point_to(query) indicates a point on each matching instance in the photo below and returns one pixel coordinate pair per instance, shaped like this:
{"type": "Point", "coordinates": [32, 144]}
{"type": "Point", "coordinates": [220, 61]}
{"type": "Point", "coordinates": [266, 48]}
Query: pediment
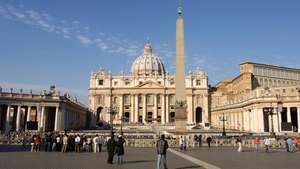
{"type": "Point", "coordinates": [149, 84]}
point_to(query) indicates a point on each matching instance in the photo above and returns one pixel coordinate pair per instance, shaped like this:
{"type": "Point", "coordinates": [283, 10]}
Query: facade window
{"type": "Point", "coordinates": [100, 82]}
{"type": "Point", "coordinates": [100, 100]}
{"type": "Point", "coordinates": [140, 82]}
{"type": "Point", "coordinates": [127, 99]}
{"type": "Point", "coordinates": [149, 99]}
{"type": "Point", "coordinates": [159, 82]}
{"type": "Point", "coordinates": [172, 99]}
{"type": "Point", "coordinates": [115, 100]}
{"type": "Point", "coordinates": [158, 99]}
{"type": "Point", "coordinates": [198, 82]}
{"type": "Point", "coordinates": [127, 83]}
{"type": "Point", "coordinates": [140, 98]}
{"type": "Point", "coordinates": [115, 83]}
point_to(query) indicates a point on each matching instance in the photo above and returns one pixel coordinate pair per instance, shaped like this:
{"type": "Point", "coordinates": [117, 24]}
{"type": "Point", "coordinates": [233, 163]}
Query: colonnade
{"type": "Point", "coordinates": [255, 120]}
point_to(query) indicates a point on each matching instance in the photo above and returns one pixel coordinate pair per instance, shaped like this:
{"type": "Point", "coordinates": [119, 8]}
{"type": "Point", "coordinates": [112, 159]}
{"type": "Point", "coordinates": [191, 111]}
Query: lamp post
{"type": "Point", "coordinates": [270, 112]}
{"type": "Point", "coordinates": [223, 119]}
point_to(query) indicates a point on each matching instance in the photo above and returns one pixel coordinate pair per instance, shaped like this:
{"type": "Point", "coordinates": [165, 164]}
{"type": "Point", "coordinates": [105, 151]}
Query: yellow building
{"type": "Point", "coordinates": [261, 98]}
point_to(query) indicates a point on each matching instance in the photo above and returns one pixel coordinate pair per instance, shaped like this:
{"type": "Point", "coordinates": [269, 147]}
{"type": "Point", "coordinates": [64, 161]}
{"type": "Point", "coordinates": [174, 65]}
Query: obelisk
{"type": "Point", "coordinates": [180, 93]}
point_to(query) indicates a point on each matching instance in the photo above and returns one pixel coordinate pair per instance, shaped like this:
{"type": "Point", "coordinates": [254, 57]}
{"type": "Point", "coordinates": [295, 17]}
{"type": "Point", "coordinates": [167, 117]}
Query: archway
{"type": "Point", "coordinates": [126, 117]}
{"type": "Point", "coordinates": [149, 117]}
{"type": "Point", "coordinates": [172, 117]}
{"type": "Point", "coordinates": [99, 110]}
{"type": "Point", "coordinates": [198, 115]}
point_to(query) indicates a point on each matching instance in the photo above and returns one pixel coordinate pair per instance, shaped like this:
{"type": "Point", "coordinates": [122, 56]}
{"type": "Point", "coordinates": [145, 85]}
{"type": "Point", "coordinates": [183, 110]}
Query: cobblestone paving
{"type": "Point", "coordinates": [135, 159]}
{"type": "Point", "coordinates": [229, 158]}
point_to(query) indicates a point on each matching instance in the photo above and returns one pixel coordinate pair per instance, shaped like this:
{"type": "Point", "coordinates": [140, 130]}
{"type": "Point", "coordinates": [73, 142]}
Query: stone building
{"type": "Point", "coordinates": [40, 112]}
{"type": "Point", "coordinates": [247, 100]}
{"type": "Point", "coordinates": [147, 94]}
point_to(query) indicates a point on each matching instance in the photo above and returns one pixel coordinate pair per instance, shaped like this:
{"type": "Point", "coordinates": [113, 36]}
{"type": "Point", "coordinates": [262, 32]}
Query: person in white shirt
{"type": "Point", "coordinates": [96, 142]}
{"type": "Point", "coordinates": [267, 143]}
{"type": "Point", "coordinates": [77, 143]}
{"type": "Point", "coordinates": [65, 143]}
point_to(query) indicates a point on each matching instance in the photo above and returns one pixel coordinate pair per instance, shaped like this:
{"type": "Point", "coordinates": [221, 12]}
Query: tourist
{"type": "Point", "coordinates": [58, 144]}
{"type": "Point", "coordinates": [77, 144]}
{"type": "Point", "coordinates": [65, 143]}
{"type": "Point", "coordinates": [239, 143]}
{"type": "Point", "coordinates": [48, 145]}
{"type": "Point", "coordinates": [89, 144]}
{"type": "Point", "coordinates": [111, 144]}
{"type": "Point", "coordinates": [161, 147]}
{"type": "Point", "coordinates": [37, 143]}
{"type": "Point", "coordinates": [195, 141]}
{"type": "Point", "coordinates": [32, 143]}
{"type": "Point", "coordinates": [120, 149]}
{"type": "Point", "coordinates": [208, 140]}
{"type": "Point", "coordinates": [96, 141]}
{"type": "Point", "coordinates": [53, 138]}
{"type": "Point", "coordinates": [267, 143]}
{"type": "Point", "coordinates": [181, 142]}
{"type": "Point", "coordinates": [200, 140]}
{"type": "Point", "coordinates": [290, 144]}
{"type": "Point", "coordinates": [257, 143]}
{"type": "Point", "coordinates": [100, 144]}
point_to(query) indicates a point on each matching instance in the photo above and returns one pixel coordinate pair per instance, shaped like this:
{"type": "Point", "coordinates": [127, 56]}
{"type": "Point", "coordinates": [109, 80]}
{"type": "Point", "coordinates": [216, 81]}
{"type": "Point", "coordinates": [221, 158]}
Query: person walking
{"type": "Point", "coordinates": [257, 143]}
{"type": "Point", "coordinates": [161, 147]}
{"type": "Point", "coordinates": [65, 144]}
{"type": "Point", "coordinates": [267, 143]}
{"type": "Point", "coordinates": [89, 144]}
{"type": "Point", "coordinates": [100, 144]}
{"type": "Point", "coordinates": [120, 149]}
{"type": "Point", "coordinates": [290, 144]}
{"type": "Point", "coordinates": [200, 140]}
{"type": "Point", "coordinates": [58, 143]}
{"type": "Point", "coordinates": [181, 142]}
{"type": "Point", "coordinates": [77, 144]}
{"type": "Point", "coordinates": [239, 143]}
{"type": "Point", "coordinates": [208, 140]}
{"type": "Point", "coordinates": [111, 145]}
{"type": "Point", "coordinates": [96, 141]}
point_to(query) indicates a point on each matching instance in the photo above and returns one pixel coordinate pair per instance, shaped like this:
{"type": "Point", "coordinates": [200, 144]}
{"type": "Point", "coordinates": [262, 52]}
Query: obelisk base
{"type": "Point", "coordinates": [180, 123]}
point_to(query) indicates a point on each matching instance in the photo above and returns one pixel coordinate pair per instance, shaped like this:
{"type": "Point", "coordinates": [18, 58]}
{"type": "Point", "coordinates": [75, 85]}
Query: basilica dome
{"type": "Point", "coordinates": [147, 64]}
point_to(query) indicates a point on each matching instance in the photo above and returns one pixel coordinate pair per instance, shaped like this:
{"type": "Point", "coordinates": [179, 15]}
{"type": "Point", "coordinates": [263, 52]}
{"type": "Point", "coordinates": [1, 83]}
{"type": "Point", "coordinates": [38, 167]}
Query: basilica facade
{"type": "Point", "coordinates": [147, 94]}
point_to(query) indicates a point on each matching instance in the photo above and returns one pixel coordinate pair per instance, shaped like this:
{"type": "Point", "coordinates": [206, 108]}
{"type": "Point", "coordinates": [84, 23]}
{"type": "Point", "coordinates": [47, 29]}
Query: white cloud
{"type": "Point", "coordinates": [69, 30]}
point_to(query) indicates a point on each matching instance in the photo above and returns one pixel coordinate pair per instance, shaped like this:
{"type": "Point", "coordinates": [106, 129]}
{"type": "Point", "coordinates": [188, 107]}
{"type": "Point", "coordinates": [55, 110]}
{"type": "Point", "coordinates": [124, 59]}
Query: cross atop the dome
{"type": "Point", "coordinates": [148, 48]}
{"type": "Point", "coordinates": [180, 9]}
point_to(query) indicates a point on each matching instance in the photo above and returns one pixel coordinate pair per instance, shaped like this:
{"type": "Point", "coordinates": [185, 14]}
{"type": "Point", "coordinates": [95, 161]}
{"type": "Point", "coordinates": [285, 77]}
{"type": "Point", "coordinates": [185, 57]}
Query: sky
{"type": "Point", "coordinates": [60, 42]}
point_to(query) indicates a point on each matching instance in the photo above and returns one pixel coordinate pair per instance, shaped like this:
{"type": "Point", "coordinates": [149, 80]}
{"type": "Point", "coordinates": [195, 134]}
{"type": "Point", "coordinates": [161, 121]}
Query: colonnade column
{"type": "Point", "coordinates": [275, 120]}
{"type": "Point", "coordinates": [132, 113]}
{"type": "Point", "coordinates": [298, 115]}
{"type": "Point", "coordinates": [279, 119]}
{"type": "Point", "coordinates": [144, 108]}
{"type": "Point", "coordinates": [121, 113]}
{"type": "Point", "coordinates": [163, 109]}
{"type": "Point", "coordinates": [28, 114]}
{"type": "Point", "coordinates": [155, 108]}
{"type": "Point", "coordinates": [42, 119]}
{"type": "Point", "coordinates": [288, 114]}
{"type": "Point", "coordinates": [57, 120]}
{"type": "Point", "coordinates": [167, 109]}
{"type": "Point", "coordinates": [18, 120]}
{"type": "Point", "coordinates": [136, 109]}
{"type": "Point", "coordinates": [7, 122]}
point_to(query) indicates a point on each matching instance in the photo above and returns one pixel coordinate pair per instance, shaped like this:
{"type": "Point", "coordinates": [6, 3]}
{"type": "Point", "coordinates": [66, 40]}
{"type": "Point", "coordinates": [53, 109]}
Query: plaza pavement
{"type": "Point", "coordinates": [142, 158]}
{"type": "Point", "coordinates": [145, 158]}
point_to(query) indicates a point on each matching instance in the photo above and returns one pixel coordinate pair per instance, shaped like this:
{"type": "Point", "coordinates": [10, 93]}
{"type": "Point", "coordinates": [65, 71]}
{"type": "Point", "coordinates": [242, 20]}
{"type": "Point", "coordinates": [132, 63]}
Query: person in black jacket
{"type": "Point", "coordinates": [120, 149]}
{"type": "Point", "coordinates": [208, 140]}
{"type": "Point", "coordinates": [111, 144]}
{"type": "Point", "coordinates": [161, 147]}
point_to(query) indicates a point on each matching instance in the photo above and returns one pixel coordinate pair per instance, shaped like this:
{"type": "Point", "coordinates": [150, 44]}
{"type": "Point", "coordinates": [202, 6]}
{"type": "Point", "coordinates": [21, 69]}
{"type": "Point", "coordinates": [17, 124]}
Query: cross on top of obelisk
{"type": "Point", "coordinates": [180, 9]}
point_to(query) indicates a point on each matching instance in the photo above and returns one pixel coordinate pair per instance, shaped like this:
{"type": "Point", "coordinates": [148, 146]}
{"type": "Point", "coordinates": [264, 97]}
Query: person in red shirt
{"type": "Point", "coordinates": [37, 143]}
{"type": "Point", "coordinates": [257, 143]}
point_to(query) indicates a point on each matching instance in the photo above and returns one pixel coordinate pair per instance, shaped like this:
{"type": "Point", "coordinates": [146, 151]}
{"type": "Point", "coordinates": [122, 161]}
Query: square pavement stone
{"type": "Point", "coordinates": [135, 158]}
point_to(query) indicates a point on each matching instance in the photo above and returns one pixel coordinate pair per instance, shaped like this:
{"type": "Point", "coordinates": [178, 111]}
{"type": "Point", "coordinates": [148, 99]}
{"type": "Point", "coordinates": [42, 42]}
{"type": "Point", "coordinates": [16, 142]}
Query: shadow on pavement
{"type": "Point", "coordinates": [189, 167]}
{"type": "Point", "coordinates": [138, 161]}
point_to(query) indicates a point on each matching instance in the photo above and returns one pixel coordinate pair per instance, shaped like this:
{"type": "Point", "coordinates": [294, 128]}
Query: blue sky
{"type": "Point", "coordinates": [61, 42]}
